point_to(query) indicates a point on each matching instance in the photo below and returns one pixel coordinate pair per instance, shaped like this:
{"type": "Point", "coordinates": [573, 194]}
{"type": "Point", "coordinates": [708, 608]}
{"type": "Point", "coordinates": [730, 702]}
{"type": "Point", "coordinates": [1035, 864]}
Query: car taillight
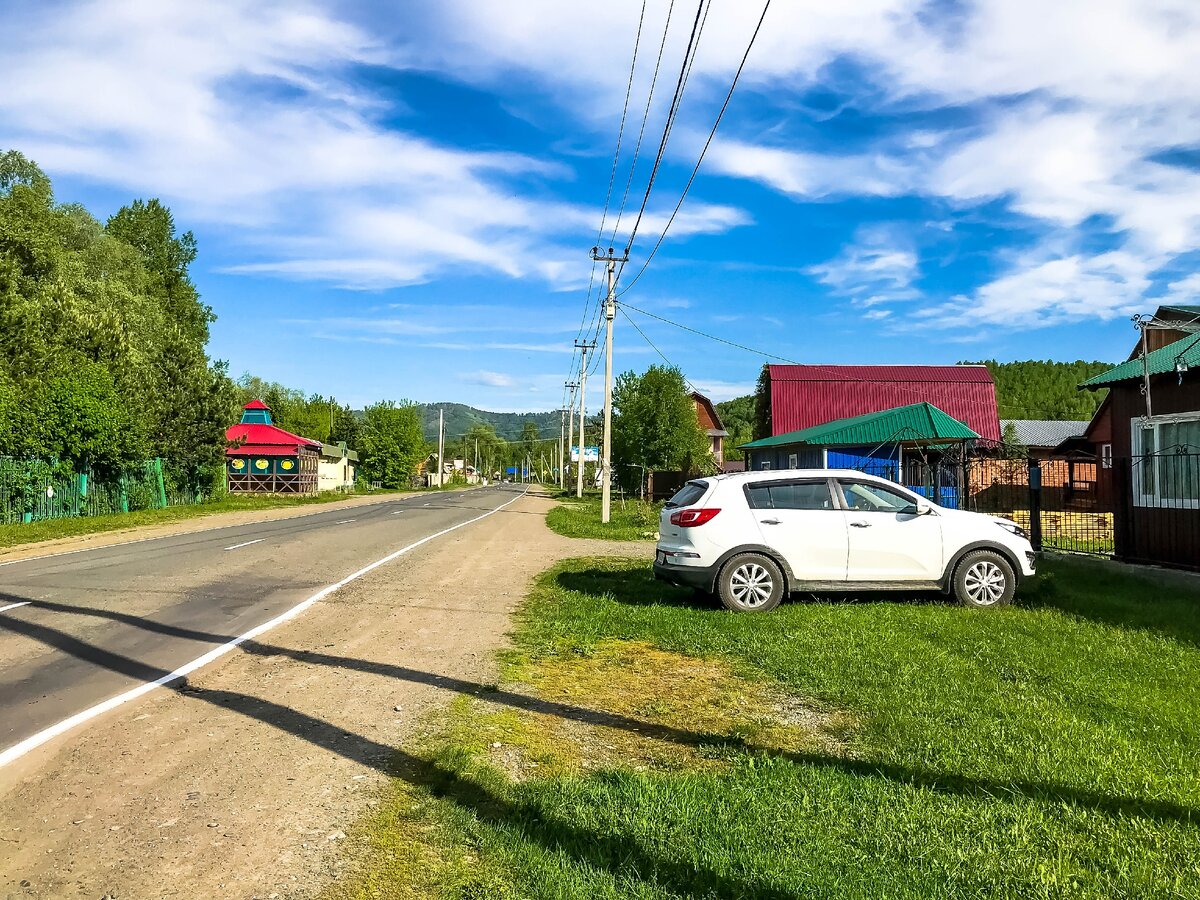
{"type": "Point", "coordinates": [690, 518]}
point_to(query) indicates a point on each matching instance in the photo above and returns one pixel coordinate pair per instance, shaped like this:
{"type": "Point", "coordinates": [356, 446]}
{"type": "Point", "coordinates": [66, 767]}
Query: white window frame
{"type": "Point", "coordinates": [1106, 456]}
{"type": "Point", "coordinates": [1140, 497]}
{"type": "Point", "coordinates": [764, 466]}
{"type": "Point", "coordinates": [793, 460]}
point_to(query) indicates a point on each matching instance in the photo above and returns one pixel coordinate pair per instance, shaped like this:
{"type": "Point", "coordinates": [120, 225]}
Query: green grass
{"type": "Point", "coordinates": [16, 535]}
{"type": "Point", "coordinates": [629, 520]}
{"type": "Point", "coordinates": [1047, 750]}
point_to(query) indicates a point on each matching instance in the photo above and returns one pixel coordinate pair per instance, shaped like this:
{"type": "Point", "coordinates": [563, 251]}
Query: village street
{"type": "Point", "coordinates": [242, 776]}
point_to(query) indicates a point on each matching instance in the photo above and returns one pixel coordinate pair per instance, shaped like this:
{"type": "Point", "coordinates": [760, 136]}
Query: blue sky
{"type": "Point", "coordinates": [398, 200]}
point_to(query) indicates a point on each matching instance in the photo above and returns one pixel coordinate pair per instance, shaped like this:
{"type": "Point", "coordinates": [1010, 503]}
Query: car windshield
{"type": "Point", "coordinates": [688, 494]}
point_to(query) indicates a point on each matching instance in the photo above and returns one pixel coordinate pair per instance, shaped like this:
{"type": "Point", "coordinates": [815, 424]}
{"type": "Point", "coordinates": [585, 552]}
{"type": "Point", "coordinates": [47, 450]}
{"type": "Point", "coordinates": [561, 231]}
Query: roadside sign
{"type": "Point", "coordinates": [590, 454]}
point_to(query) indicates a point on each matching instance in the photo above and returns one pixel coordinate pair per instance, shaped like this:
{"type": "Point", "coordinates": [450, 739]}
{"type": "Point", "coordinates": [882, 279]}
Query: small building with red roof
{"type": "Point", "coordinates": [263, 458]}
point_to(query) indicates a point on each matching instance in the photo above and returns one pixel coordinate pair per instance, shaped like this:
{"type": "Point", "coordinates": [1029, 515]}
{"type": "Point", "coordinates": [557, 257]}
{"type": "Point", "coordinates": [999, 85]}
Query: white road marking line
{"type": "Point", "coordinates": [247, 544]}
{"type": "Point", "coordinates": [15, 605]}
{"type": "Point", "coordinates": [397, 512]}
{"type": "Point", "coordinates": [345, 521]}
{"type": "Point", "coordinates": [16, 751]}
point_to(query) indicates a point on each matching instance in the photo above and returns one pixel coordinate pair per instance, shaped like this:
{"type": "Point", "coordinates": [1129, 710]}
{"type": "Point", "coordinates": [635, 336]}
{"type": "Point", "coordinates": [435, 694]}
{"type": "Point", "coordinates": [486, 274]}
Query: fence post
{"type": "Point", "coordinates": [162, 488]}
{"type": "Point", "coordinates": [124, 495]}
{"type": "Point", "coordinates": [1035, 504]}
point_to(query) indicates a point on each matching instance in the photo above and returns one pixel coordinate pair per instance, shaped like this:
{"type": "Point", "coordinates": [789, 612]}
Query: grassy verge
{"type": "Point", "coordinates": [630, 520]}
{"type": "Point", "coordinates": [643, 745]}
{"type": "Point", "coordinates": [16, 535]}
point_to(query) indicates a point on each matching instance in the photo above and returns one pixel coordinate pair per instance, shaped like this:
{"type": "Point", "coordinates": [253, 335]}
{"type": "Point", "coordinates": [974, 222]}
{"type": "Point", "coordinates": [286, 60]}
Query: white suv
{"type": "Point", "coordinates": [752, 537]}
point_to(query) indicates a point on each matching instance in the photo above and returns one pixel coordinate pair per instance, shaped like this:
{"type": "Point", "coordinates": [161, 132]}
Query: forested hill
{"type": "Point", "coordinates": [1042, 389]}
{"type": "Point", "coordinates": [460, 418]}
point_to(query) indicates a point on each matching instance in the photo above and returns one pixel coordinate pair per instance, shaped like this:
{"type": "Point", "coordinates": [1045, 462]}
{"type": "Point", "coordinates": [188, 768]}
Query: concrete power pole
{"type": "Point", "coordinates": [562, 437]}
{"type": "Point", "coordinates": [570, 430]}
{"type": "Point", "coordinates": [441, 444]}
{"type": "Point", "coordinates": [583, 347]}
{"type": "Point", "coordinates": [610, 313]}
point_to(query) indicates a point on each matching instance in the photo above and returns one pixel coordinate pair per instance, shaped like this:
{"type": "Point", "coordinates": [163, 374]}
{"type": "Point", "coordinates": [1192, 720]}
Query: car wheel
{"type": "Point", "coordinates": [750, 583]}
{"type": "Point", "coordinates": [984, 579]}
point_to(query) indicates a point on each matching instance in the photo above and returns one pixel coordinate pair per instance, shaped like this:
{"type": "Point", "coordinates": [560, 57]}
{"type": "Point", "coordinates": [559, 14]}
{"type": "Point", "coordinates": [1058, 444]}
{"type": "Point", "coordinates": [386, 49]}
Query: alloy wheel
{"type": "Point", "coordinates": [751, 585]}
{"type": "Point", "coordinates": [985, 583]}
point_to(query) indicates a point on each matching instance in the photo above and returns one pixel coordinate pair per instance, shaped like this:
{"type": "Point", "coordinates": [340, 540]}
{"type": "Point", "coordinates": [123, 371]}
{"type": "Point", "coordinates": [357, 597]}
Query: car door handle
{"type": "Point", "coordinates": [769, 521]}
{"type": "Point", "coordinates": [860, 524]}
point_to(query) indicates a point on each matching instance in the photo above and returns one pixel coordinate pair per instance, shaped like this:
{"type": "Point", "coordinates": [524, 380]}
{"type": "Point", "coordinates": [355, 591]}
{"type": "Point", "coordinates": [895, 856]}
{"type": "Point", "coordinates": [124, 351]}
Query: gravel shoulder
{"type": "Point", "coordinates": [242, 782]}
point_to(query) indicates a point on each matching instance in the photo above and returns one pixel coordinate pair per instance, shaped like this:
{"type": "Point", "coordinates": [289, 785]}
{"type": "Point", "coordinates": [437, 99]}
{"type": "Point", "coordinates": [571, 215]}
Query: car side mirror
{"type": "Point", "coordinates": [924, 509]}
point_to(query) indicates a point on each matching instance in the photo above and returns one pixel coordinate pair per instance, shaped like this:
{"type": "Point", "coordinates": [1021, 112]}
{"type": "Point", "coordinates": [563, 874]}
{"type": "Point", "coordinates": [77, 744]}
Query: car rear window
{"type": "Point", "coordinates": [688, 494]}
{"type": "Point", "coordinates": [789, 495]}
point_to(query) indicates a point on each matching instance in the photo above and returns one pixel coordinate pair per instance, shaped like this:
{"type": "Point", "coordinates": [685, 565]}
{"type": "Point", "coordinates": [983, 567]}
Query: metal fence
{"type": "Point", "coordinates": [34, 491]}
{"type": "Point", "coordinates": [1065, 504]}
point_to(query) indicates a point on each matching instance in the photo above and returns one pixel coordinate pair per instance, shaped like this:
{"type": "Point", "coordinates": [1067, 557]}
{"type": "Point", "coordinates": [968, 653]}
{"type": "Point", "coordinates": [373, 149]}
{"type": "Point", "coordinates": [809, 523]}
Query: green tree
{"type": "Point", "coordinates": [655, 425]}
{"type": "Point", "coordinates": [392, 445]}
{"type": "Point", "coordinates": [737, 415]}
{"type": "Point", "coordinates": [103, 323]}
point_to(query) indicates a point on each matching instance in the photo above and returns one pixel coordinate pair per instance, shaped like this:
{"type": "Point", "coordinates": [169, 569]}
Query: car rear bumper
{"type": "Point", "coordinates": [700, 577]}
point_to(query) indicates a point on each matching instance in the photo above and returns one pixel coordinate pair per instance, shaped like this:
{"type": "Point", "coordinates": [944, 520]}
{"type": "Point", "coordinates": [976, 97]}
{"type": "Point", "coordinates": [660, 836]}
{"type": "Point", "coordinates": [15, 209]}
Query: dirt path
{"type": "Point", "coordinates": [241, 783]}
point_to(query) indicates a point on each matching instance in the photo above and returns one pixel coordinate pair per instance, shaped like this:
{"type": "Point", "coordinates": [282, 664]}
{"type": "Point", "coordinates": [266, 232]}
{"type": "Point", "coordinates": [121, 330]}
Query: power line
{"type": "Point", "coordinates": [704, 150]}
{"type": "Point", "coordinates": [621, 129]}
{"type": "Point", "coordinates": [711, 337]}
{"type": "Point", "coordinates": [672, 111]}
{"type": "Point", "coordinates": [642, 130]}
{"type": "Point", "coordinates": [833, 372]}
{"type": "Point", "coordinates": [654, 346]}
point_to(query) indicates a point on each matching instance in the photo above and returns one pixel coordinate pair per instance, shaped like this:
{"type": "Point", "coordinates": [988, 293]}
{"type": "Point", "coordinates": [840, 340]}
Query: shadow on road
{"type": "Point", "coordinates": [623, 856]}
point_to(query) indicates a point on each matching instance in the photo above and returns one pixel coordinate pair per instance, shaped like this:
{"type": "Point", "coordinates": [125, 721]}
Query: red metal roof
{"type": "Point", "coordinates": [804, 396]}
{"type": "Point", "coordinates": [260, 436]}
{"type": "Point", "coordinates": [261, 450]}
{"type": "Point", "coordinates": [256, 404]}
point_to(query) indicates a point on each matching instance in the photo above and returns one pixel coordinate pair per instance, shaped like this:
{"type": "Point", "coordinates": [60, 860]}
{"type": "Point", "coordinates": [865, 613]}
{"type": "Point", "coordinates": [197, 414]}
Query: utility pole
{"type": "Point", "coordinates": [610, 313]}
{"type": "Point", "coordinates": [570, 430]}
{"type": "Point", "coordinates": [562, 436]}
{"type": "Point", "coordinates": [583, 347]}
{"type": "Point", "coordinates": [441, 443]}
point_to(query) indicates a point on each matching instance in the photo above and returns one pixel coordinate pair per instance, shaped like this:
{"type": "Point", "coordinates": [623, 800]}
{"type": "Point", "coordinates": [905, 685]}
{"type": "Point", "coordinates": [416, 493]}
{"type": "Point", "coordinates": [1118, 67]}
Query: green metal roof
{"type": "Point", "coordinates": [1158, 362]}
{"type": "Point", "coordinates": [916, 422]}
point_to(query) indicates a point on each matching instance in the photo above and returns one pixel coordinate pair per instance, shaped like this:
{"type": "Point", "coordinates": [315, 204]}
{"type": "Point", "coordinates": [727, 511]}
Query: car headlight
{"type": "Point", "coordinates": [1013, 528]}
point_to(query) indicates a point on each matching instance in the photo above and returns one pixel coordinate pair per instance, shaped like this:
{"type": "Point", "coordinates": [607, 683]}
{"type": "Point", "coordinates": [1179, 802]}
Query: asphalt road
{"type": "Point", "coordinates": [96, 623]}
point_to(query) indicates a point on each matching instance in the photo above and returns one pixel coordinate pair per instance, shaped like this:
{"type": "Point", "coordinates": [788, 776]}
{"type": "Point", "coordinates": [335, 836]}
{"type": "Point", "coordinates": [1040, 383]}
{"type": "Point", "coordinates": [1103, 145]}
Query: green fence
{"type": "Point", "coordinates": [33, 491]}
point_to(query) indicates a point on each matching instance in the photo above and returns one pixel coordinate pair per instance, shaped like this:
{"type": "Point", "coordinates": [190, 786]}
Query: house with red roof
{"type": "Point", "coordinates": [263, 458]}
{"type": "Point", "coordinates": [801, 397]}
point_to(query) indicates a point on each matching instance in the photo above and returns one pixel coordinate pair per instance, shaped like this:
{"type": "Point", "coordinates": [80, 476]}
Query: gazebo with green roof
{"type": "Point", "coordinates": [875, 443]}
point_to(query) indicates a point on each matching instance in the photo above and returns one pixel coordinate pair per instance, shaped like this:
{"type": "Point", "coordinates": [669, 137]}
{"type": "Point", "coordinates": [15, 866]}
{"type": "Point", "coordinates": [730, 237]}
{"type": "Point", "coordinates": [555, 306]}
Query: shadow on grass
{"type": "Point", "coordinates": [635, 587]}
{"type": "Point", "coordinates": [623, 856]}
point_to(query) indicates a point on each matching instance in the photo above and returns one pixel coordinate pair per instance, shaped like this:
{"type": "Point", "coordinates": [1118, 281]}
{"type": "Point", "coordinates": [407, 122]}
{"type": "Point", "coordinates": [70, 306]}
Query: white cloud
{"type": "Point", "coordinates": [1184, 292]}
{"type": "Point", "coordinates": [1048, 290]}
{"type": "Point", "coordinates": [719, 391]}
{"type": "Point", "coordinates": [879, 267]}
{"type": "Point", "coordinates": [244, 114]}
{"type": "Point", "coordinates": [489, 379]}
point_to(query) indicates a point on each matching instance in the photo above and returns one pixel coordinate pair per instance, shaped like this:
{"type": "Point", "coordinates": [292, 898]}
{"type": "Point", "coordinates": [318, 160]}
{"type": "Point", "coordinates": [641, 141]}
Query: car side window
{"type": "Point", "coordinates": [790, 495]}
{"type": "Point", "coordinates": [862, 497]}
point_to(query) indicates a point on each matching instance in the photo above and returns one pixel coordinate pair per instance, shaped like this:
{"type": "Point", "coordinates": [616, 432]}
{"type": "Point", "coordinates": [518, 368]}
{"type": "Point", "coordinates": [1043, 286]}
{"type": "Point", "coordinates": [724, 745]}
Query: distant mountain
{"type": "Point", "coordinates": [460, 418]}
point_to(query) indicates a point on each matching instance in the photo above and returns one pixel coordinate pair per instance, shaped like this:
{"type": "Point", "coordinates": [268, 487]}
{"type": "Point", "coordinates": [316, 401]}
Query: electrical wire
{"type": "Point", "coordinates": [672, 111]}
{"type": "Point", "coordinates": [737, 75]}
{"type": "Point", "coordinates": [654, 347]}
{"type": "Point", "coordinates": [621, 129]}
{"type": "Point", "coordinates": [843, 376]}
{"type": "Point", "coordinates": [642, 130]}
